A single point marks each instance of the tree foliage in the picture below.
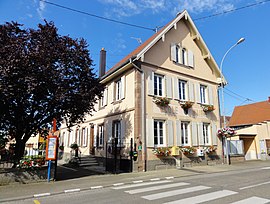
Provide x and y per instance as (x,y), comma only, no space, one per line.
(43,75)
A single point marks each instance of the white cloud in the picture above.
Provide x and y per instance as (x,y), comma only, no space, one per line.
(126,8)
(41,9)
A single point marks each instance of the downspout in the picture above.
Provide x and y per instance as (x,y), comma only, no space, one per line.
(143,122)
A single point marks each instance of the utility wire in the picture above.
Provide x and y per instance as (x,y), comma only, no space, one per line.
(239,95)
(232,10)
(96,16)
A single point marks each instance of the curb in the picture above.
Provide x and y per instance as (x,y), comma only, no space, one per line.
(76,190)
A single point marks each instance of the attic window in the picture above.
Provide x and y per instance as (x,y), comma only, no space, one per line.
(181,55)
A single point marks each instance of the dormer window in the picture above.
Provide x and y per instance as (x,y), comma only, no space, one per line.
(181,55)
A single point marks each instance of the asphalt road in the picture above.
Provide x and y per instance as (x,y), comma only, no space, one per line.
(247,186)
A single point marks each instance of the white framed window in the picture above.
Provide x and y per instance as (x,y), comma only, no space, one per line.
(158,85)
(103,99)
(118,88)
(206,133)
(185,134)
(116,129)
(203,94)
(182,90)
(84,137)
(159,133)
(184,56)
(100,135)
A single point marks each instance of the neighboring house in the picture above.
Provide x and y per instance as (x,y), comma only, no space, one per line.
(252,125)
(174,63)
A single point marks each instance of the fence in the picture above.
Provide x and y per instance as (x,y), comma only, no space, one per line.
(119,156)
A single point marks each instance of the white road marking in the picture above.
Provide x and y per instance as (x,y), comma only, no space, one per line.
(169,177)
(140,184)
(96,187)
(175,192)
(140,181)
(253,200)
(118,184)
(264,168)
(72,190)
(204,197)
(41,195)
(154,188)
(155,179)
(256,185)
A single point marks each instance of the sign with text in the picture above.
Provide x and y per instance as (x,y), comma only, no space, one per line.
(51,147)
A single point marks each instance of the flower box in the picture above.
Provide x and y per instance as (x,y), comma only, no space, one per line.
(162,151)
(161,101)
(210,150)
(188,150)
(207,108)
(227,132)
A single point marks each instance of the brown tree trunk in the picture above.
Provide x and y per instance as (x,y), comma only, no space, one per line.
(19,151)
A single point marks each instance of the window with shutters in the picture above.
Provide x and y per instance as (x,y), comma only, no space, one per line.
(159,132)
(100,135)
(181,55)
(116,131)
(158,85)
(203,94)
(103,99)
(182,90)
(118,88)
(206,133)
(185,132)
(78,137)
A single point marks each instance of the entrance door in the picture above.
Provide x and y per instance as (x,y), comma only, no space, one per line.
(91,146)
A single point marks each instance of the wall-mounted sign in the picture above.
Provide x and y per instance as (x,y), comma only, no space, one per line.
(51,147)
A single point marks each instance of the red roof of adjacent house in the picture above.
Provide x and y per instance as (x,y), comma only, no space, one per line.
(250,114)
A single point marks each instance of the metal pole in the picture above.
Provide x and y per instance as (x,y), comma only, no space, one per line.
(131,154)
(222,93)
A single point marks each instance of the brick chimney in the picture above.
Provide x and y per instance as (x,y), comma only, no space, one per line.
(102,62)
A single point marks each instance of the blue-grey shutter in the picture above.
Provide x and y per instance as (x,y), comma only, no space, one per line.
(168,86)
(109,131)
(173,52)
(191,91)
(151,83)
(123,86)
(170,133)
(105,96)
(210,95)
(214,134)
(178,133)
(95,135)
(194,135)
(150,132)
(200,133)
(190,58)
(176,88)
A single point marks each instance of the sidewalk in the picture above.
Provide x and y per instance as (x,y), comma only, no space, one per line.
(19,191)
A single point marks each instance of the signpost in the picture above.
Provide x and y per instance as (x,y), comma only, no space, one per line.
(51,152)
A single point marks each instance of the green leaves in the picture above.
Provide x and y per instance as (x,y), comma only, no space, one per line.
(43,75)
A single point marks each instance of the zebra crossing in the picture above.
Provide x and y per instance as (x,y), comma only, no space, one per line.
(168,189)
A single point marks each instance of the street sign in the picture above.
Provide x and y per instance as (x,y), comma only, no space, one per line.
(51,147)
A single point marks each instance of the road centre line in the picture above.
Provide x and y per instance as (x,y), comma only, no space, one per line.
(155,179)
(252,186)
(265,168)
(169,177)
(140,181)
(118,184)
(42,195)
(96,187)
(72,190)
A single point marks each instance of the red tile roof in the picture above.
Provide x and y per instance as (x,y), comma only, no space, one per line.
(250,114)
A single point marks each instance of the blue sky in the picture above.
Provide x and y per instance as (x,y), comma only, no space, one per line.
(246,67)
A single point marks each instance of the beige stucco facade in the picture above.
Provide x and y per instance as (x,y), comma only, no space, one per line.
(155,71)
(256,140)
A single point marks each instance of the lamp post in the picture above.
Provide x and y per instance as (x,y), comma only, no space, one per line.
(222,94)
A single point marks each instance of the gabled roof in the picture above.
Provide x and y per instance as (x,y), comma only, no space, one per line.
(143,48)
(250,114)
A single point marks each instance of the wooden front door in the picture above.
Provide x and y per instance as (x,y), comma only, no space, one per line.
(92,149)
